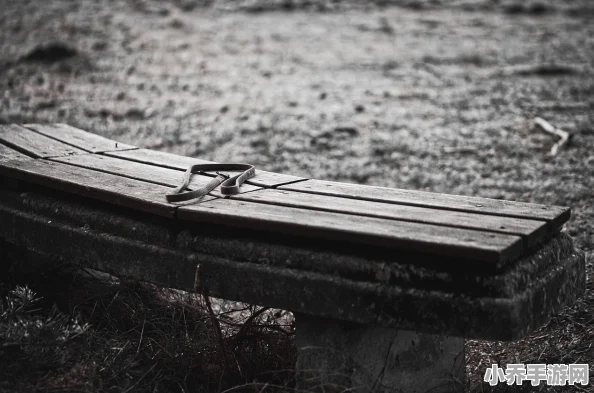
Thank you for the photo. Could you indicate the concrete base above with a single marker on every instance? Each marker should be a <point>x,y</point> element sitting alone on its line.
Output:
<point>335,355</point>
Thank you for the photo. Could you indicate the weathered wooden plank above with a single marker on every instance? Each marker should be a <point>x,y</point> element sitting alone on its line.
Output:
<point>532,231</point>
<point>168,160</point>
<point>159,158</point>
<point>102,186</point>
<point>490,248</point>
<point>34,144</point>
<point>554,215</point>
<point>84,140</point>
<point>144,172</point>
<point>8,153</point>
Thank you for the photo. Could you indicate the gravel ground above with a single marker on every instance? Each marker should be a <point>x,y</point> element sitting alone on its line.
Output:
<point>422,95</point>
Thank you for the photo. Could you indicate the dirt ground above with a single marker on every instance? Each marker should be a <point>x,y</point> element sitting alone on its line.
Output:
<point>426,95</point>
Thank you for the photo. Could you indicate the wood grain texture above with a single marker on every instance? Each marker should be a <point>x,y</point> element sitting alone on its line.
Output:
<point>8,154</point>
<point>554,215</point>
<point>144,172</point>
<point>34,144</point>
<point>159,158</point>
<point>490,248</point>
<point>492,231</point>
<point>135,194</point>
<point>84,140</point>
<point>168,160</point>
<point>532,231</point>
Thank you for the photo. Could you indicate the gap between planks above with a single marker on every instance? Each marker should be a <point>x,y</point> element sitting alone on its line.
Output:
<point>136,171</point>
<point>490,248</point>
<point>80,139</point>
<point>59,140</point>
<point>134,194</point>
<point>531,231</point>
<point>32,144</point>
<point>171,161</point>
<point>555,216</point>
<point>8,153</point>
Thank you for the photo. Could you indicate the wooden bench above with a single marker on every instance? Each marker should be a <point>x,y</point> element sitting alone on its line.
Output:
<point>385,283</point>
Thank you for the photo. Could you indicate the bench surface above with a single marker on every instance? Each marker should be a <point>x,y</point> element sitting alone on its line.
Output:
<point>489,232</point>
<point>456,265</point>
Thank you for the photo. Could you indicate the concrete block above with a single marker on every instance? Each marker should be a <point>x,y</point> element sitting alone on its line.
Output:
<point>335,355</point>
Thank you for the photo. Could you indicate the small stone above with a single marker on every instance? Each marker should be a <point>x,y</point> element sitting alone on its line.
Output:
<point>514,8</point>
<point>100,45</point>
<point>359,108</point>
<point>50,53</point>
<point>163,11</point>
<point>135,113</point>
<point>176,23</point>
<point>46,104</point>
<point>538,8</point>
<point>350,130</point>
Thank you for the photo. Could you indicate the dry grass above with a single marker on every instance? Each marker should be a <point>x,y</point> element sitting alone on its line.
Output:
<point>68,330</point>
<point>135,338</point>
<point>73,332</point>
<point>567,338</point>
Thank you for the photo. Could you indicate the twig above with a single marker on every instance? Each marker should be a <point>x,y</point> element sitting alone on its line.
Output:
<point>140,379</point>
<point>277,328</point>
<point>141,336</point>
<point>547,127</point>
<point>272,386</point>
<point>542,70</point>
<point>247,325</point>
<point>217,327</point>
<point>11,345</point>
<point>380,376</point>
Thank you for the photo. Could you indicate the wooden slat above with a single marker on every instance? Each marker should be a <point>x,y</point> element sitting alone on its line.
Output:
<point>136,170</point>
<point>34,144</point>
<point>554,215</point>
<point>532,231</point>
<point>159,158</point>
<point>8,154</point>
<point>490,248</point>
<point>168,160</point>
<point>84,140</point>
<point>119,190</point>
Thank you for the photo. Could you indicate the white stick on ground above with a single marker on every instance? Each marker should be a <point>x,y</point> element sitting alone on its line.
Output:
<point>547,127</point>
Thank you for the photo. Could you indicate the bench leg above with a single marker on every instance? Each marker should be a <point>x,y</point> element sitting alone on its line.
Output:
<point>335,355</point>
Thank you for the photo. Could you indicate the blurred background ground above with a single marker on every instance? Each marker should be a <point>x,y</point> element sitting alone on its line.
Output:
<point>428,95</point>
